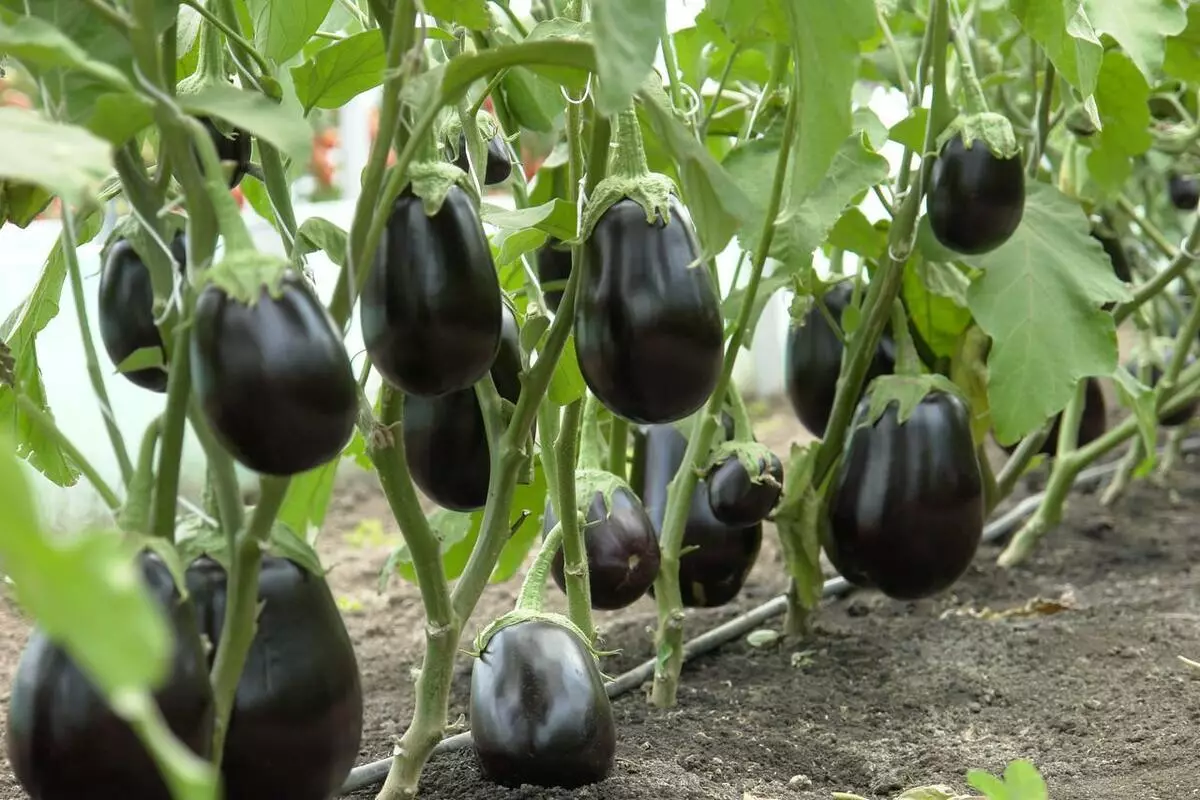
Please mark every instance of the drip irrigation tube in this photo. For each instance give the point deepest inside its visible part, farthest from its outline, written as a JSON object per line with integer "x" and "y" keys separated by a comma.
{"x": 372, "y": 774}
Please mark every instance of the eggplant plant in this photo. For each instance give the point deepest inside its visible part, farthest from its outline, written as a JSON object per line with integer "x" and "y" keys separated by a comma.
{"x": 535, "y": 259}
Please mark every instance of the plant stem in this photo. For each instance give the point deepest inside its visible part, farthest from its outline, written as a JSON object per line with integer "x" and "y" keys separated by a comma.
{"x": 671, "y": 60}
{"x": 241, "y": 607}
{"x": 702, "y": 131}
{"x": 1120, "y": 479}
{"x": 1012, "y": 470}
{"x": 669, "y": 637}
{"x": 144, "y": 207}
{"x": 1042, "y": 125}
{"x": 518, "y": 26}
{"x": 279, "y": 193}
{"x": 46, "y": 425}
{"x": 1068, "y": 428}
{"x": 113, "y": 16}
{"x": 575, "y": 566}
{"x": 532, "y": 596}
{"x": 232, "y": 35}
{"x": 548, "y": 423}
{"x": 905, "y": 84}
{"x": 221, "y": 471}
{"x": 443, "y": 627}
{"x": 1151, "y": 288}
{"x": 618, "y": 447}
{"x": 170, "y": 453}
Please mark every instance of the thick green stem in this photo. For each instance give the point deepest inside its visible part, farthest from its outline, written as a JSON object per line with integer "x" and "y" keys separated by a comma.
{"x": 1120, "y": 479}
{"x": 533, "y": 589}
{"x": 1172, "y": 453}
{"x": 575, "y": 566}
{"x": 702, "y": 131}
{"x": 671, "y": 60}
{"x": 592, "y": 450}
{"x": 135, "y": 513}
{"x": 1151, "y": 288}
{"x": 241, "y": 608}
{"x": 618, "y": 447}
{"x": 47, "y": 427}
{"x": 548, "y": 421}
{"x": 170, "y": 454}
{"x": 1068, "y": 429}
{"x": 279, "y": 193}
{"x": 222, "y": 473}
{"x": 1015, "y": 467}
{"x": 628, "y": 157}
{"x": 1042, "y": 118}
{"x": 89, "y": 346}
{"x": 144, "y": 206}
{"x": 976, "y": 99}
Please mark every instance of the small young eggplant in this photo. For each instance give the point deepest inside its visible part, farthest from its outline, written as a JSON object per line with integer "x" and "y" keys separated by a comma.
{"x": 907, "y": 509}
{"x": 431, "y": 306}
{"x": 976, "y": 199}
{"x": 539, "y": 712}
{"x": 740, "y": 499}
{"x": 717, "y": 558}
{"x": 64, "y": 743}
{"x": 648, "y": 328}
{"x": 499, "y": 164}
{"x": 445, "y": 440}
{"x": 1184, "y": 191}
{"x": 235, "y": 147}
{"x": 553, "y": 264}
{"x": 622, "y": 548}
{"x": 298, "y": 712}
{"x": 273, "y": 378}
{"x": 813, "y": 360}
{"x": 1092, "y": 424}
{"x": 126, "y": 308}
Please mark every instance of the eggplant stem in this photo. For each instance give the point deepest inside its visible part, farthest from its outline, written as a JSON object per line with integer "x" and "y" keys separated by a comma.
{"x": 579, "y": 606}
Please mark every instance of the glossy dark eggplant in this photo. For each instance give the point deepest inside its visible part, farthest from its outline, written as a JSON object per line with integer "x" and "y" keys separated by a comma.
{"x": 622, "y": 550}
{"x": 813, "y": 360}
{"x": 539, "y": 712}
{"x": 444, "y": 437}
{"x": 297, "y": 715}
{"x": 1092, "y": 424}
{"x": 734, "y": 497}
{"x": 126, "y": 309}
{"x": 714, "y": 572}
{"x": 553, "y": 264}
{"x": 648, "y": 325}
{"x": 235, "y": 147}
{"x": 976, "y": 200}
{"x": 907, "y": 509}
{"x": 64, "y": 743}
{"x": 1116, "y": 255}
{"x": 273, "y": 379}
{"x": 431, "y": 307}
{"x": 1184, "y": 192}
{"x": 499, "y": 165}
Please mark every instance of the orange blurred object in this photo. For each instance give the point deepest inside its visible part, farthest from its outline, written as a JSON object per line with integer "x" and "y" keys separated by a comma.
{"x": 238, "y": 196}
{"x": 322, "y": 164}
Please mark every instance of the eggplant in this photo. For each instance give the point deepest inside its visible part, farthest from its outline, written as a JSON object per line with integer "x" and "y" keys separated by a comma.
{"x": 445, "y": 441}
{"x": 298, "y": 711}
{"x": 736, "y": 499}
{"x": 813, "y": 359}
{"x": 622, "y": 549}
{"x": 65, "y": 743}
{"x": 273, "y": 378}
{"x": 126, "y": 308}
{"x": 648, "y": 328}
{"x": 1116, "y": 255}
{"x": 430, "y": 309}
{"x": 1092, "y": 423}
{"x": 553, "y": 264}
{"x": 236, "y": 147}
{"x": 539, "y": 711}
{"x": 976, "y": 199}
{"x": 499, "y": 165}
{"x": 1184, "y": 192}
{"x": 717, "y": 558}
{"x": 907, "y": 509}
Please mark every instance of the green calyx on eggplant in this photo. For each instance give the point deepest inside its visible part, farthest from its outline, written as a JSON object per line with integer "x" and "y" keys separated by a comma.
{"x": 65, "y": 743}
{"x": 622, "y": 546}
{"x": 648, "y": 328}
{"x": 430, "y": 309}
{"x": 906, "y": 512}
{"x": 126, "y": 308}
{"x": 270, "y": 371}
{"x": 744, "y": 483}
{"x": 813, "y": 360}
{"x": 539, "y": 711}
{"x": 976, "y": 193}
{"x": 716, "y": 558}
{"x": 297, "y": 715}
{"x": 1092, "y": 424}
{"x": 553, "y": 264}
{"x": 445, "y": 441}
{"x": 233, "y": 147}
{"x": 1184, "y": 192}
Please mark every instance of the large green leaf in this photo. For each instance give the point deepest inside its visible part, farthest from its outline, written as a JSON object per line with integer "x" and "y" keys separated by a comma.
{"x": 826, "y": 36}
{"x": 626, "y": 35}
{"x": 1122, "y": 96}
{"x": 1182, "y": 56}
{"x": 1039, "y": 299}
{"x": 256, "y": 113}
{"x": 1066, "y": 33}
{"x": 341, "y": 71}
{"x": 556, "y": 217}
{"x": 38, "y": 44}
{"x": 468, "y": 13}
{"x": 281, "y": 29}
{"x": 1141, "y": 26}
{"x": 747, "y": 21}
{"x": 935, "y": 297}
{"x": 66, "y": 159}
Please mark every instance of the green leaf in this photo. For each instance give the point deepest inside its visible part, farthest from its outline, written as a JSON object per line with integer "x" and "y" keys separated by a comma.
{"x": 284, "y": 542}
{"x": 990, "y": 785}
{"x": 307, "y": 499}
{"x": 256, "y": 113}
{"x": 536, "y": 103}
{"x": 1182, "y": 55}
{"x": 935, "y": 298}
{"x": 118, "y": 117}
{"x": 567, "y": 384}
{"x": 468, "y": 13}
{"x": 142, "y": 358}
{"x": 747, "y": 21}
{"x": 1038, "y": 299}
{"x": 556, "y": 217}
{"x": 341, "y": 71}
{"x": 1142, "y": 399}
{"x": 1065, "y": 32}
{"x": 514, "y": 244}
{"x": 910, "y": 131}
{"x": 625, "y": 34}
{"x": 1141, "y": 27}
{"x": 282, "y": 29}
{"x": 853, "y": 232}
{"x": 317, "y": 233}
{"x": 825, "y": 35}
{"x": 66, "y": 159}
{"x": 529, "y": 498}
{"x": 1024, "y": 782}
{"x": 752, "y": 166}
{"x": 1122, "y": 98}
{"x": 37, "y": 43}
{"x": 256, "y": 195}
{"x": 23, "y": 202}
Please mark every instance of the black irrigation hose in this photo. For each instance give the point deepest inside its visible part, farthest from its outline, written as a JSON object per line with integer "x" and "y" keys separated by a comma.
{"x": 374, "y": 773}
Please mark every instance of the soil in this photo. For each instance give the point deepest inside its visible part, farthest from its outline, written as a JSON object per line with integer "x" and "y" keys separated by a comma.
{"x": 883, "y": 696}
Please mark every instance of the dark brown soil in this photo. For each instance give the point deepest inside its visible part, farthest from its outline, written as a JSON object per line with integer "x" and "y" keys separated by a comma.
{"x": 884, "y": 696}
